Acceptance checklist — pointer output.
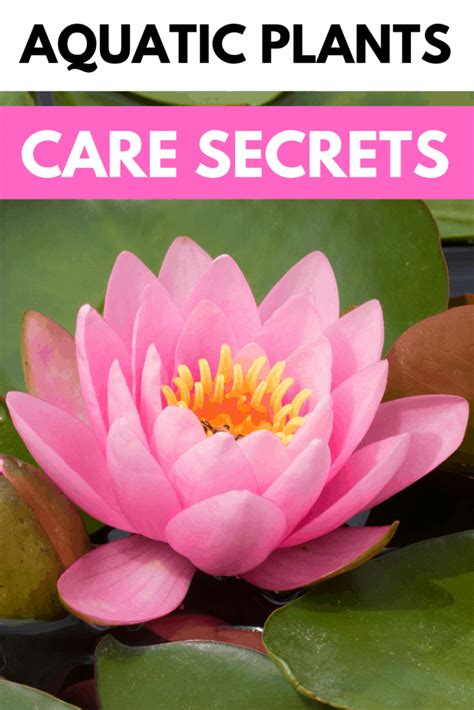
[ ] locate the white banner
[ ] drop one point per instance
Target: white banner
(250, 45)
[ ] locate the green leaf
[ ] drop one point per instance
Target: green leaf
(218, 98)
(10, 441)
(57, 255)
(198, 675)
(56, 515)
(377, 98)
(395, 633)
(177, 98)
(455, 218)
(30, 565)
(20, 697)
(16, 98)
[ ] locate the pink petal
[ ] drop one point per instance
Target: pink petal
(97, 347)
(225, 285)
(267, 456)
(184, 264)
(295, 323)
(121, 403)
(314, 272)
(204, 332)
(145, 495)
(127, 282)
(228, 534)
(339, 551)
(363, 476)
(298, 488)
(211, 467)
(317, 425)
(158, 322)
(437, 424)
(356, 340)
(68, 453)
(50, 365)
(152, 379)
(126, 582)
(176, 430)
(310, 366)
(355, 403)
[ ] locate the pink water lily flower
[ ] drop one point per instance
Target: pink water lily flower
(225, 436)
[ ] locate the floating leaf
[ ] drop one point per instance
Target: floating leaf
(377, 98)
(394, 633)
(466, 300)
(14, 696)
(10, 441)
(202, 627)
(217, 98)
(194, 675)
(41, 534)
(16, 98)
(455, 218)
(57, 516)
(30, 566)
(176, 98)
(436, 356)
(379, 249)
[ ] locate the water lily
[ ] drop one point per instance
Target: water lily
(225, 436)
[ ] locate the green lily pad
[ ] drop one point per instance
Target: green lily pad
(41, 533)
(14, 696)
(57, 254)
(16, 98)
(217, 98)
(194, 674)
(57, 516)
(377, 98)
(174, 98)
(393, 634)
(30, 565)
(455, 218)
(10, 442)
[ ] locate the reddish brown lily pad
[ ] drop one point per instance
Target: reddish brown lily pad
(465, 300)
(57, 516)
(203, 627)
(436, 356)
(41, 534)
(49, 363)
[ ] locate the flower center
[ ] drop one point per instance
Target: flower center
(239, 401)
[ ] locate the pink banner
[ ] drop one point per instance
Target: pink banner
(236, 152)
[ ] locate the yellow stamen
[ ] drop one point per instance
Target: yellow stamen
(254, 371)
(293, 425)
(238, 381)
(238, 400)
(186, 375)
(198, 396)
(274, 376)
(169, 396)
(242, 405)
(257, 396)
(279, 393)
(225, 364)
(218, 395)
(205, 374)
(280, 417)
(299, 400)
(182, 389)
